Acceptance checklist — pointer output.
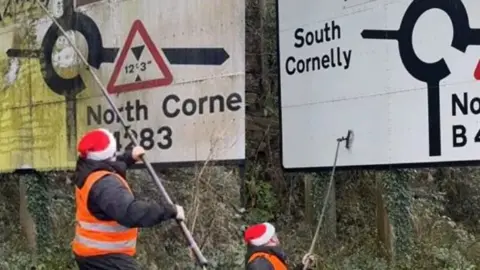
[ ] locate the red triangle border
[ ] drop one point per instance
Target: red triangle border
(476, 73)
(138, 26)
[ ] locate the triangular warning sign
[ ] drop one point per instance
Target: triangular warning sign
(476, 74)
(137, 51)
(139, 66)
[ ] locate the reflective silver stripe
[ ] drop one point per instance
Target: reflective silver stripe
(105, 245)
(102, 227)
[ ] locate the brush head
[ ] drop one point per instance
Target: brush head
(349, 139)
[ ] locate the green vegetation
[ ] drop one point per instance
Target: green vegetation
(436, 240)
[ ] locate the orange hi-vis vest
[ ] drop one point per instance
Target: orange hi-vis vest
(274, 260)
(96, 237)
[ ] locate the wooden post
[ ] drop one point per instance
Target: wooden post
(26, 219)
(308, 194)
(328, 229)
(330, 232)
(263, 52)
(384, 231)
(243, 186)
(34, 216)
(393, 215)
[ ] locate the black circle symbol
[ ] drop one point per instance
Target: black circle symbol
(72, 20)
(97, 54)
(430, 73)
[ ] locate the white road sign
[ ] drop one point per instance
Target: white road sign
(174, 68)
(403, 75)
(179, 77)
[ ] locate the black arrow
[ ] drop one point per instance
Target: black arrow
(176, 56)
(137, 51)
(196, 56)
(108, 55)
(23, 53)
(380, 34)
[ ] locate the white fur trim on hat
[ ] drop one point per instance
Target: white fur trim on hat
(109, 152)
(269, 233)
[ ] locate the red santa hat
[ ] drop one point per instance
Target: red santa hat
(98, 144)
(259, 234)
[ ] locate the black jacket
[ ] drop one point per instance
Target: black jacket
(110, 200)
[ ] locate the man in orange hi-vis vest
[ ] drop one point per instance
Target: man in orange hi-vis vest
(108, 215)
(263, 249)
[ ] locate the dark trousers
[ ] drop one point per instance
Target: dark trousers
(107, 262)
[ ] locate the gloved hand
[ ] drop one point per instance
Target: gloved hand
(309, 260)
(137, 153)
(180, 213)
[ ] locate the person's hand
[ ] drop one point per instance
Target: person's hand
(180, 213)
(308, 260)
(137, 153)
